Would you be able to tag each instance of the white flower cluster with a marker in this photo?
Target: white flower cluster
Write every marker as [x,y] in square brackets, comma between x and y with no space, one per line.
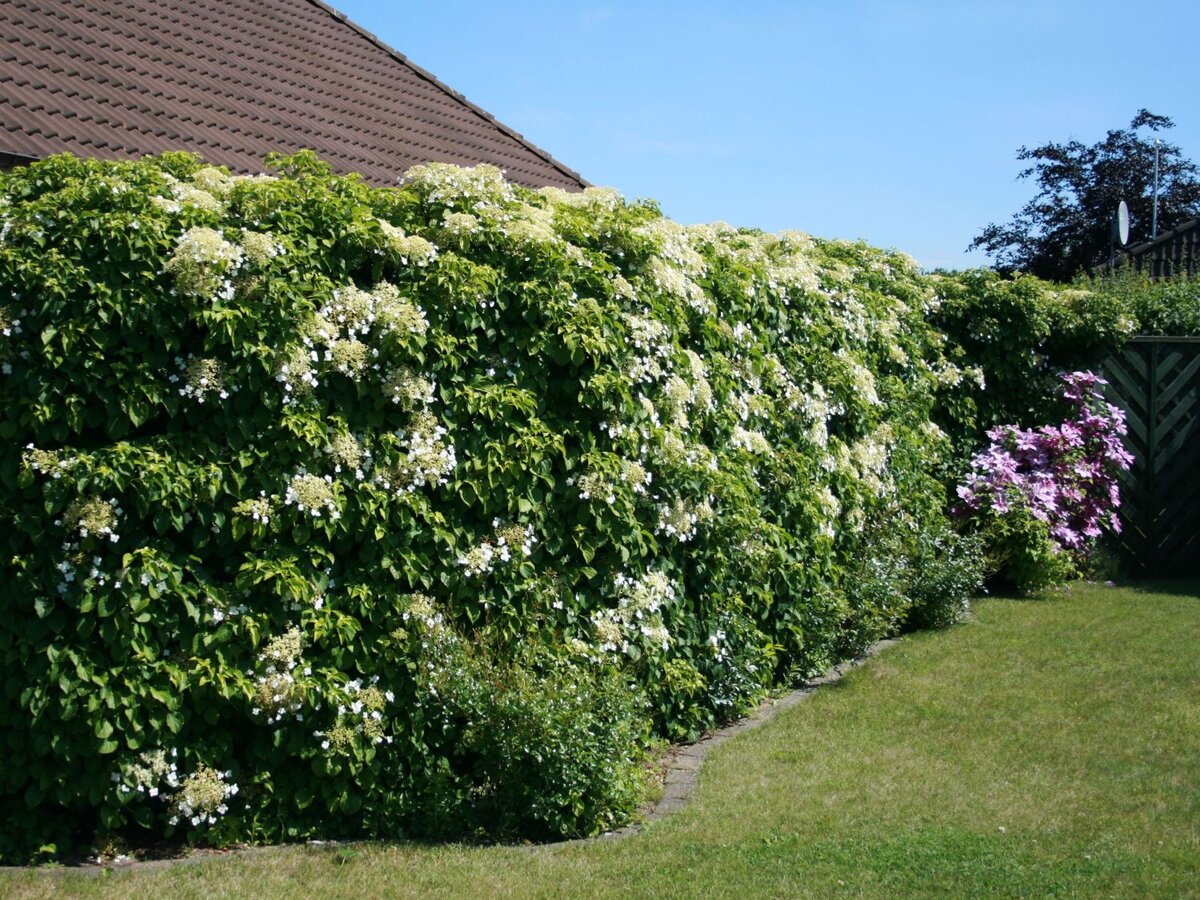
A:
[428,457]
[349,453]
[636,476]
[408,390]
[93,517]
[468,189]
[219,613]
[295,372]
[200,798]
[862,379]
[458,226]
[201,378]
[277,693]
[203,797]
[638,613]
[359,716]
[47,462]
[204,264]
[408,249]
[259,248]
[258,509]
[751,441]
[651,340]
[9,323]
[680,519]
[507,541]
[312,494]
[594,484]
[338,337]
[148,773]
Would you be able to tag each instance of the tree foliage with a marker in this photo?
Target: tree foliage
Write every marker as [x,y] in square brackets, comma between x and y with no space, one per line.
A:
[1066,227]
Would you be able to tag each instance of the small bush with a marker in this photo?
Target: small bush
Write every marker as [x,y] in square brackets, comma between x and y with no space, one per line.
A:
[1042,497]
[950,569]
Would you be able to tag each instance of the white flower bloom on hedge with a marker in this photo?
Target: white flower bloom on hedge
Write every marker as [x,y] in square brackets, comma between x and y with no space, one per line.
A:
[259,248]
[636,476]
[409,249]
[596,199]
[638,614]
[277,692]
[204,262]
[674,242]
[348,453]
[869,459]
[862,379]
[622,289]
[532,226]
[478,560]
[674,283]
[218,612]
[312,494]
[680,519]
[47,462]
[149,772]
[407,389]
[360,718]
[594,485]
[459,225]
[468,189]
[513,538]
[349,308]
[609,631]
[751,441]
[641,597]
[201,377]
[9,324]
[350,357]
[93,517]
[213,181]
[429,457]
[295,372]
[168,205]
[202,797]
[189,195]
[396,313]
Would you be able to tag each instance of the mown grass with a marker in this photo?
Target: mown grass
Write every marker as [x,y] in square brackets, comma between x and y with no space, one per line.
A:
[1048,748]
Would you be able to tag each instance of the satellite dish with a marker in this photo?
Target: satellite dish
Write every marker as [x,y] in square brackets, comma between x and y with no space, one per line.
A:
[1122,223]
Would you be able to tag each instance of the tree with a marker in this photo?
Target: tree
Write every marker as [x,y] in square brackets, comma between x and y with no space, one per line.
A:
[1066,227]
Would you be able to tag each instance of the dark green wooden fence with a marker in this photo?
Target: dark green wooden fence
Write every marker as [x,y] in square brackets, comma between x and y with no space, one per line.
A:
[1156,380]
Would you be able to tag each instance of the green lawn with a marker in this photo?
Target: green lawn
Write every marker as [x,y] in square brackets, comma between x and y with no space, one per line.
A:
[1050,747]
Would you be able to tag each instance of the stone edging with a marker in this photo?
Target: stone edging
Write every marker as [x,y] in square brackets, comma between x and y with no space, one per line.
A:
[681,770]
[682,763]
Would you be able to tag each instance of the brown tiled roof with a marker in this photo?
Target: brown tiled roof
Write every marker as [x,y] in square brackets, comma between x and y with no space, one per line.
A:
[233,80]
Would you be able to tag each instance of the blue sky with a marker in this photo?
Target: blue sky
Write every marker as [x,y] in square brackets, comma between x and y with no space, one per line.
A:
[892,122]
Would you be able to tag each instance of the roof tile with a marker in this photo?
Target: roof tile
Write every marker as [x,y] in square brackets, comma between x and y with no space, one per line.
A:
[233,80]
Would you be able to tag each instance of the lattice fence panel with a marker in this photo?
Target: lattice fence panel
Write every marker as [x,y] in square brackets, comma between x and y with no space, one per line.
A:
[1157,382]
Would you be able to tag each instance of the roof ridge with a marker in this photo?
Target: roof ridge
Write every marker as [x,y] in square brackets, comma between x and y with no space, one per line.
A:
[341,17]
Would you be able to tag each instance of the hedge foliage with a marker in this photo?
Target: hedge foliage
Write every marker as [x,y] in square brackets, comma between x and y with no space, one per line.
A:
[1165,306]
[331,510]
[1017,335]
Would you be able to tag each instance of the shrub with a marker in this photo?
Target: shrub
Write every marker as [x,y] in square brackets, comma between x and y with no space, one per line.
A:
[1166,306]
[1011,338]
[950,569]
[1048,493]
[254,425]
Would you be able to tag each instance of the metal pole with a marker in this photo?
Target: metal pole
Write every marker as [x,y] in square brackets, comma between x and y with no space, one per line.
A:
[1154,215]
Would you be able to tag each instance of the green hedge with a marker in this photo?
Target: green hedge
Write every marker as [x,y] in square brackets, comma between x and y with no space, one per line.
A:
[420,511]
[1012,337]
[1165,306]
